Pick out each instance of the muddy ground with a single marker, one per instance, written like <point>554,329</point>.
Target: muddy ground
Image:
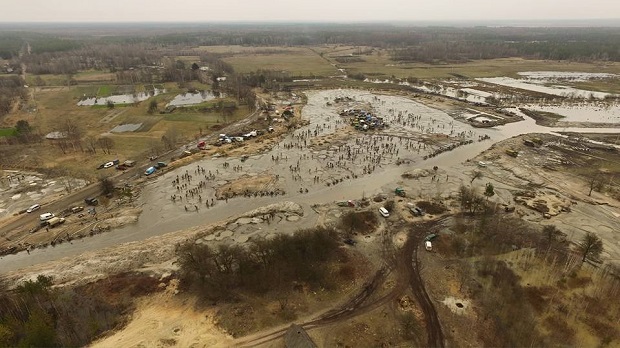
<point>315,165</point>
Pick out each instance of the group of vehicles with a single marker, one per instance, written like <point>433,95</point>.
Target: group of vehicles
<point>152,169</point>
<point>227,139</point>
<point>118,164</point>
<point>50,220</point>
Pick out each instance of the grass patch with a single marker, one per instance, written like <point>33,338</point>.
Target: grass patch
<point>543,118</point>
<point>605,85</point>
<point>94,76</point>
<point>104,91</point>
<point>8,132</point>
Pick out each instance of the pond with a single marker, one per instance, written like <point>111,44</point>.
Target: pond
<point>187,99</point>
<point>121,98</point>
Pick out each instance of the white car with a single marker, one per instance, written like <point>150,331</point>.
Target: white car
<point>46,216</point>
<point>108,165</point>
<point>33,208</point>
<point>482,164</point>
<point>384,212</point>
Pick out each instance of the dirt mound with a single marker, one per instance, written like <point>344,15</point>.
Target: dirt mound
<point>248,185</point>
<point>544,202</point>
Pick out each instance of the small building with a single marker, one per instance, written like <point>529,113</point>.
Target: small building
<point>297,337</point>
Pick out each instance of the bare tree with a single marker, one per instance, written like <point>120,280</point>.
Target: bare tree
<point>590,246</point>
<point>91,144</point>
<point>595,182</point>
<point>155,147</point>
<point>107,185</point>
<point>73,133</point>
<point>170,138</point>
<point>471,201</point>
<point>476,174</point>
<point>106,144</point>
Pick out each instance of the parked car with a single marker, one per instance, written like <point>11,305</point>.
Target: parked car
<point>91,201</point>
<point>150,170</point>
<point>108,165</point>
<point>416,211</point>
<point>428,245</point>
<point>77,209</point>
<point>482,164</point>
<point>46,216</point>
<point>129,163</point>
<point>33,208</point>
<point>159,165</point>
<point>384,212</point>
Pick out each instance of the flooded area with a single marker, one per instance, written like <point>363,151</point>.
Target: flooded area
<point>591,113</point>
<point>539,86</point>
<point>120,99</point>
<point>187,99</point>
<point>323,161</point>
<point>564,75</point>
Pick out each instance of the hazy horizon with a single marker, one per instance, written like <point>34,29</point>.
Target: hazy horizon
<point>594,12</point>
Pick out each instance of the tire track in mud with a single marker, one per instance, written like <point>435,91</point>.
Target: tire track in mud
<point>435,337</point>
<point>406,264</point>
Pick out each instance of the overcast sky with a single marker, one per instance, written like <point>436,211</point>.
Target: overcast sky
<point>302,10</point>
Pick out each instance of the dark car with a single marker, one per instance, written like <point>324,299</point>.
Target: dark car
<point>91,201</point>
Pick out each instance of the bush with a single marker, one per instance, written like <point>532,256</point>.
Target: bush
<point>266,265</point>
<point>363,222</point>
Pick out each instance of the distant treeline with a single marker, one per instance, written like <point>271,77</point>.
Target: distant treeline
<point>424,44</point>
<point>11,43</point>
<point>427,44</point>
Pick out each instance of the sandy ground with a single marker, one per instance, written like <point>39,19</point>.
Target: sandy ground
<point>167,320</point>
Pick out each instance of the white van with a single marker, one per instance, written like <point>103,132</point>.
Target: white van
<point>384,212</point>
<point>46,216</point>
<point>33,208</point>
<point>428,245</point>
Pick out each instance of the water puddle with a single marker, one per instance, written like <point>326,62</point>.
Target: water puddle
<point>120,99</point>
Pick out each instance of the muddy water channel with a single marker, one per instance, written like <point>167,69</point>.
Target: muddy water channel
<point>321,162</point>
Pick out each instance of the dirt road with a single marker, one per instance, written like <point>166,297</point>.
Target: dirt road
<point>407,267</point>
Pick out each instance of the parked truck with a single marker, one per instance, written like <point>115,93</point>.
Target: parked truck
<point>55,221</point>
